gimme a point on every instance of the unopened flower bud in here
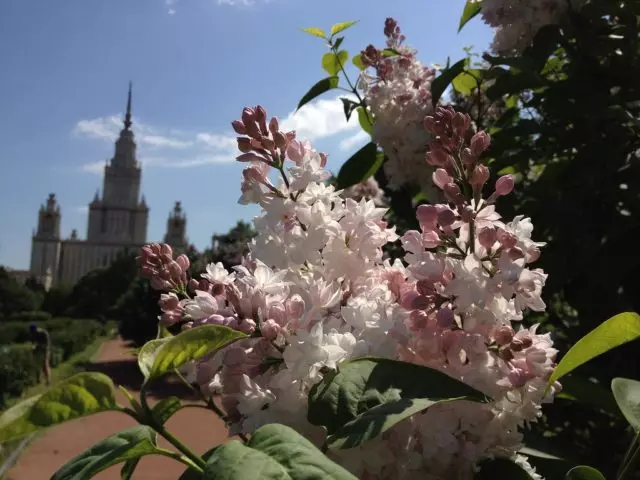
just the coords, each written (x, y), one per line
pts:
(467, 214)
(278, 312)
(487, 237)
(504, 335)
(446, 217)
(250, 157)
(418, 320)
(238, 127)
(425, 287)
(280, 140)
(507, 240)
(406, 301)
(467, 157)
(479, 176)
(166, 249)
(479, 143)
(274, 125)
(184, 262)
(175, 270)
(526, 341)
(244, 144)
(452, 192)
(268, 144)
(437, 157)
(158, 283)
(295, 307)
(270, 329)
(248, 116)
(441, 178)
(516, 345)
(445, 317)
(427, 215)
(193, 285)
(504, 185)
(420, 302)
(460, 123)
(506, 354)
(295, 151)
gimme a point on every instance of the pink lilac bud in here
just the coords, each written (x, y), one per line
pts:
(427, 215)
(295, 307)
(170, 318)
(431, 239)
(504, 185)
(479, 143)
(504, 335)
(420, 302)
(168, 301)
(184, 262)
(460, 123)
(516, 345)
(238, 127)
(270, 329)
(268, 144)
(274, 126)
(175, 270)
(193, 285)
(261, 118)
(437, 157)
(468, 158)
(506, 354)
(487, 237)
(295, 151)
(278, 312)
(244, 145)
(467, 214)
(158, 283)
(250, 157)
(323, 159)
(518, 377)
(479, 176)
(445, 317)
(280, 140)
(217, 289)
(425, 287)
(246, 325)
(507, 240)
(446, 217)
(452, 192)
(248, 115)
(441, 178)
(526, 340)
(166, 249)
(406, 301)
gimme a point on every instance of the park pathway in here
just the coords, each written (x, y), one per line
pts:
(197, 428)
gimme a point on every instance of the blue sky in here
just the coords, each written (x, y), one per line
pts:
(194, 65)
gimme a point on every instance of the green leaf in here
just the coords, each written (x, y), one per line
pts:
(348, 106)
(333, 63)
(147, 354)
(618, 330)
(357, 61)
(442, 81)
(80, 395)
(500, 468)
(130, 444)
(627, 395)
(365, 120)
(342, 26)
(132, 400)
(128, 468)
(166, 407)
(191, 474)
(338, 42)
(190, 345)
(585, 391)
(319, 88)
(317, 32)
(471, 9)
(362, 164)
(275, 452)
(466, 82)
(366, 397)
(390, 52)
(583, 472)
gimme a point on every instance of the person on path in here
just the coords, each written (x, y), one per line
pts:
(42, 350)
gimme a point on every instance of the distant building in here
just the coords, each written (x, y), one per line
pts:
(117, 221)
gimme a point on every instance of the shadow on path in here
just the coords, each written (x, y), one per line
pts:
(127, 374)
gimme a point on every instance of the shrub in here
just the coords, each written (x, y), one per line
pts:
(18, 370)
(32, 317)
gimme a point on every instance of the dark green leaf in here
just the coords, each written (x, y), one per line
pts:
(126, 472)
(363, 164)
(338, 42)
(190, 345)
(471, 9)
(501, 468)
(583, 472)
(166, 407)
(83, 394)
(627, 395)
(333, 63)
(340, 27)
(275, 452)
(127, 445)
(191, 474)
(582, 390)
(618, 330)
(316, 32)
(348, 106)
(368, 396)
(442, 81)
(319, 88)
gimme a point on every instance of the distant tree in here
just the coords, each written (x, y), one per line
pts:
(137, 312)
(14, 297)
(57, 300)
(229, 248)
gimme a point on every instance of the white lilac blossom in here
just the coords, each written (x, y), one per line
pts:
(316, 291)
(516, 22)
(398, 95)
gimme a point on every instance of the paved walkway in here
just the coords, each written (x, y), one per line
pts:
(197, 428)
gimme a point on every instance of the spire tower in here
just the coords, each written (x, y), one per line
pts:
(127, 117)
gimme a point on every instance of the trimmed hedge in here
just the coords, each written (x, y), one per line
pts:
(18, 366)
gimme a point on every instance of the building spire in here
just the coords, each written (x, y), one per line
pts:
(127, 117)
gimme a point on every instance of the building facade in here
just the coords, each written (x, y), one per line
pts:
(117, 221)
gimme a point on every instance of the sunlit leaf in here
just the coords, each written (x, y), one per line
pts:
(147, 354)
(317, 32)
(318, 89)
(618, 330)
(627, 395)
(333, 63)
(122, 447)
(365, 120)
(83, 394)
(190, 345)
(471, 9)
(466, 82)
(583, 472)
(357, 61)
(274, 452)
(340, 27)
(366, 397)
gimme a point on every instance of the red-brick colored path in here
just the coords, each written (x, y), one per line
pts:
(195, 427)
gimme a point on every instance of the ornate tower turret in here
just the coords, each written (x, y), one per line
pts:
(176, 235)
(45, 243)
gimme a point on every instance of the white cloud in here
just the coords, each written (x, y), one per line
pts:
(176, 148)
(236, 3)
(83, 209)
(354, 140)
(319, 119)
(171, 6)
